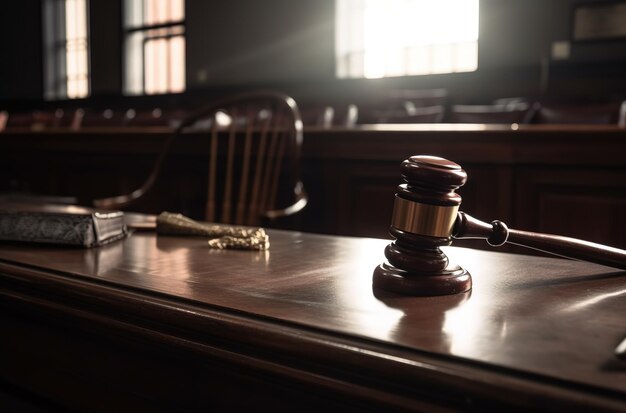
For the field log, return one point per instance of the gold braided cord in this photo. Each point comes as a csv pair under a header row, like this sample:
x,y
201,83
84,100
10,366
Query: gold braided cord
x,y
222,236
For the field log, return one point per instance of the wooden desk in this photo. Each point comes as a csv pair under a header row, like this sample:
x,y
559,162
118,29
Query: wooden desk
x,y
165,324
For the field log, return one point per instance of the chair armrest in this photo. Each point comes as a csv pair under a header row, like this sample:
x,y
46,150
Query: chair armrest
x,y
118,202
301,201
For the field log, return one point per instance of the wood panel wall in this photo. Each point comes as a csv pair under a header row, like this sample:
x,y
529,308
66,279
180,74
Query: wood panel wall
x,y
565,180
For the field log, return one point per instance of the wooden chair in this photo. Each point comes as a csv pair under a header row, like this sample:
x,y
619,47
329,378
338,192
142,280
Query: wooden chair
x,y
404,106
328,116
154,117
65,118
86,118
417,98
4,116
345,115
254,144
407,114
591,114
520,112
317,115
36,120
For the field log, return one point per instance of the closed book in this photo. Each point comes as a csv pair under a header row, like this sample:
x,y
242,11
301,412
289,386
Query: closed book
x,y
60,224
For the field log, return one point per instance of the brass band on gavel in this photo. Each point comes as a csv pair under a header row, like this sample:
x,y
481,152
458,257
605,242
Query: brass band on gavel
x,y
423,219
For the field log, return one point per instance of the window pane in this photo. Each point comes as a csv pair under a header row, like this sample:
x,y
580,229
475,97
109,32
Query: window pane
x,y
76,44
177,10
81,18
133,73
154,49
67,47
155,66
133,13
377,38
177,64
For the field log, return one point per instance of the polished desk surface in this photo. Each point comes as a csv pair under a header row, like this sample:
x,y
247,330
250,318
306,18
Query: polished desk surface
x,y
542,323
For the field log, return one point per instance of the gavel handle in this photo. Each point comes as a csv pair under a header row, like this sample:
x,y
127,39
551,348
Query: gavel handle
x,y
497,233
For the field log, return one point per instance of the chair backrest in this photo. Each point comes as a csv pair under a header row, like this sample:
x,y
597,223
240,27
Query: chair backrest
x,y
318,115
254,150
520,112
35,120
86,118
417,97
65,118
4,116
403,106
154,117
328,116
19,120
406,114
597,113
345,115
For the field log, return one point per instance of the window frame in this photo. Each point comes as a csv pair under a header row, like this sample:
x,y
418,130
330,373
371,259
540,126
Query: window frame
x,y
56,48
128,30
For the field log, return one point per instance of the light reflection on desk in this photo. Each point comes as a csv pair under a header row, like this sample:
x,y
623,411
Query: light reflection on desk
x,y
585,304
354,289
102,259
522,313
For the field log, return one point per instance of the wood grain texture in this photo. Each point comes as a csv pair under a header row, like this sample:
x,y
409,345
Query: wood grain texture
x,y
533,333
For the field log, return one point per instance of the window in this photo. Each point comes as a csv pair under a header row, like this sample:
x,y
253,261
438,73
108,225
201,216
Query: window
x,y
66,53
154,46
380,38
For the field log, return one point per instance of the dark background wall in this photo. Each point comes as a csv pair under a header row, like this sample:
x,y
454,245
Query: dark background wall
x,y
289,45
21,56
242,42
105,25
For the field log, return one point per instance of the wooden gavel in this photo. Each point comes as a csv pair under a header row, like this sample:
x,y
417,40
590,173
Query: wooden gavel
x,y
426,216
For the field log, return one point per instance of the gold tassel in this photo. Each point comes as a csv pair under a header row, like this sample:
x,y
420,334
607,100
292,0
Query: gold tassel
x,y
223,236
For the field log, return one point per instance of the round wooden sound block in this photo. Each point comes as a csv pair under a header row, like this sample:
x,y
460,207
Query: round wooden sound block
x,y
451,280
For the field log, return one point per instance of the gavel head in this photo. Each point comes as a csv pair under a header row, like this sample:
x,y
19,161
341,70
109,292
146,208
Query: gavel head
x,y
424,214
